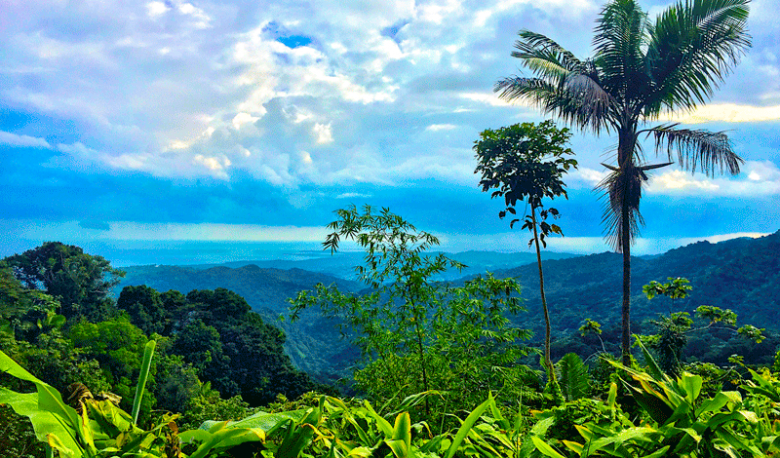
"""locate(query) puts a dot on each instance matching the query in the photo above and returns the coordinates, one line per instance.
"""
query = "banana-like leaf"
(224, 439)
(403, 428)
(721, 400)
(545, 448)
(575, 447)
(263, 420)
(299, 435)
(692, 386)
(658, 453)
(384, 425)
(54, 422)
(467, 425)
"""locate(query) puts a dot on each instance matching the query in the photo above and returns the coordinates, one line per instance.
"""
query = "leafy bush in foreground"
(675, 419)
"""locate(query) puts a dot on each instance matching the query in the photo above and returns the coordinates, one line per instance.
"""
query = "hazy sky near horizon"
(255, 120)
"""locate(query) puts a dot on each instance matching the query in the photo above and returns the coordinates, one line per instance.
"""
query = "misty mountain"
(737, 274)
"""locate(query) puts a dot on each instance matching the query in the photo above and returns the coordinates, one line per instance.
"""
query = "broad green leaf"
(47, 411)
(612, 398)
(749, 416)
(140, 389)
(543, 447)
(400, 448)
(299, 435)
(403, 428)
(266, 421)
(360, 452)
(692, 386)
(658, 453)
(467, 425)
(576, 447)
(383, 424)
(721, 399)
(541, 427)
(223, 440)
(584, 432)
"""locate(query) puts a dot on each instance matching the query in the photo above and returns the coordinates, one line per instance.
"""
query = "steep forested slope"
(313, 346)
(740, 274)
(262, 288)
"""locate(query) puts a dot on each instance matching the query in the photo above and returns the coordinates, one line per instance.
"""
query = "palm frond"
(573, 377)
(620, 36)
(570, 105)
(562, 85)
(692, 48)
(697, 149)
(532, 45)
(622, 190)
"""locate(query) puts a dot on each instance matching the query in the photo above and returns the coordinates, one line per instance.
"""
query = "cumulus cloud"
(316, 97)
(758, 179)
(323, 133)
(163, 87)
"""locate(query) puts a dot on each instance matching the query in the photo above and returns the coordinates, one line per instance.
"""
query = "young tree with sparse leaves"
(526, 163)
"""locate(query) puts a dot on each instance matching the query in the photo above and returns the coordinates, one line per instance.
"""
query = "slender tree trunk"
(547, 359)
(626, 310)
(626, 147)
(421, 351)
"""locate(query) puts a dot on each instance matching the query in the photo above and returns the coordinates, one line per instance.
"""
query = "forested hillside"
(312, 343)
(735, 274)
(263, 288)
(342, 265)
(738, 274)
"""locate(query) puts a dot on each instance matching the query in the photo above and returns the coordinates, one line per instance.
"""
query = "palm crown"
(641, 68)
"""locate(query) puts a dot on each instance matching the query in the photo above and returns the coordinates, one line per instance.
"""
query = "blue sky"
(133, 122)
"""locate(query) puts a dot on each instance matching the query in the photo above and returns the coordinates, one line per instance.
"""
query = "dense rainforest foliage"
(443, 373)
(215, 356)
(735, 274)
(446, 369)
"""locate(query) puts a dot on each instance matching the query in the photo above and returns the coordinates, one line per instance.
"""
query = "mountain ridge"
(736, 274)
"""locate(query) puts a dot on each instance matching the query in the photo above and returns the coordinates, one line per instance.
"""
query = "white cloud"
(727, 112)
(679, 181)
(438, 127)
(202, 19)
(127, 230)
(589, 176)
(757, 179)
(156, 9)
(243, 118)
(487, 98)
(196, 88)
(514, 241)
(353, 195)
(11, 139)
(323, 133)
(217, 165)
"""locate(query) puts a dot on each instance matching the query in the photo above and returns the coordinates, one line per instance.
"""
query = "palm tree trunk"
(547, 359)
(626, 310)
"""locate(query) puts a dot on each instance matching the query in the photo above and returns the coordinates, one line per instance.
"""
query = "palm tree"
(641, 69)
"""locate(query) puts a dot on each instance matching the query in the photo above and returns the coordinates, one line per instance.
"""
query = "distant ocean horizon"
(124, 253)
